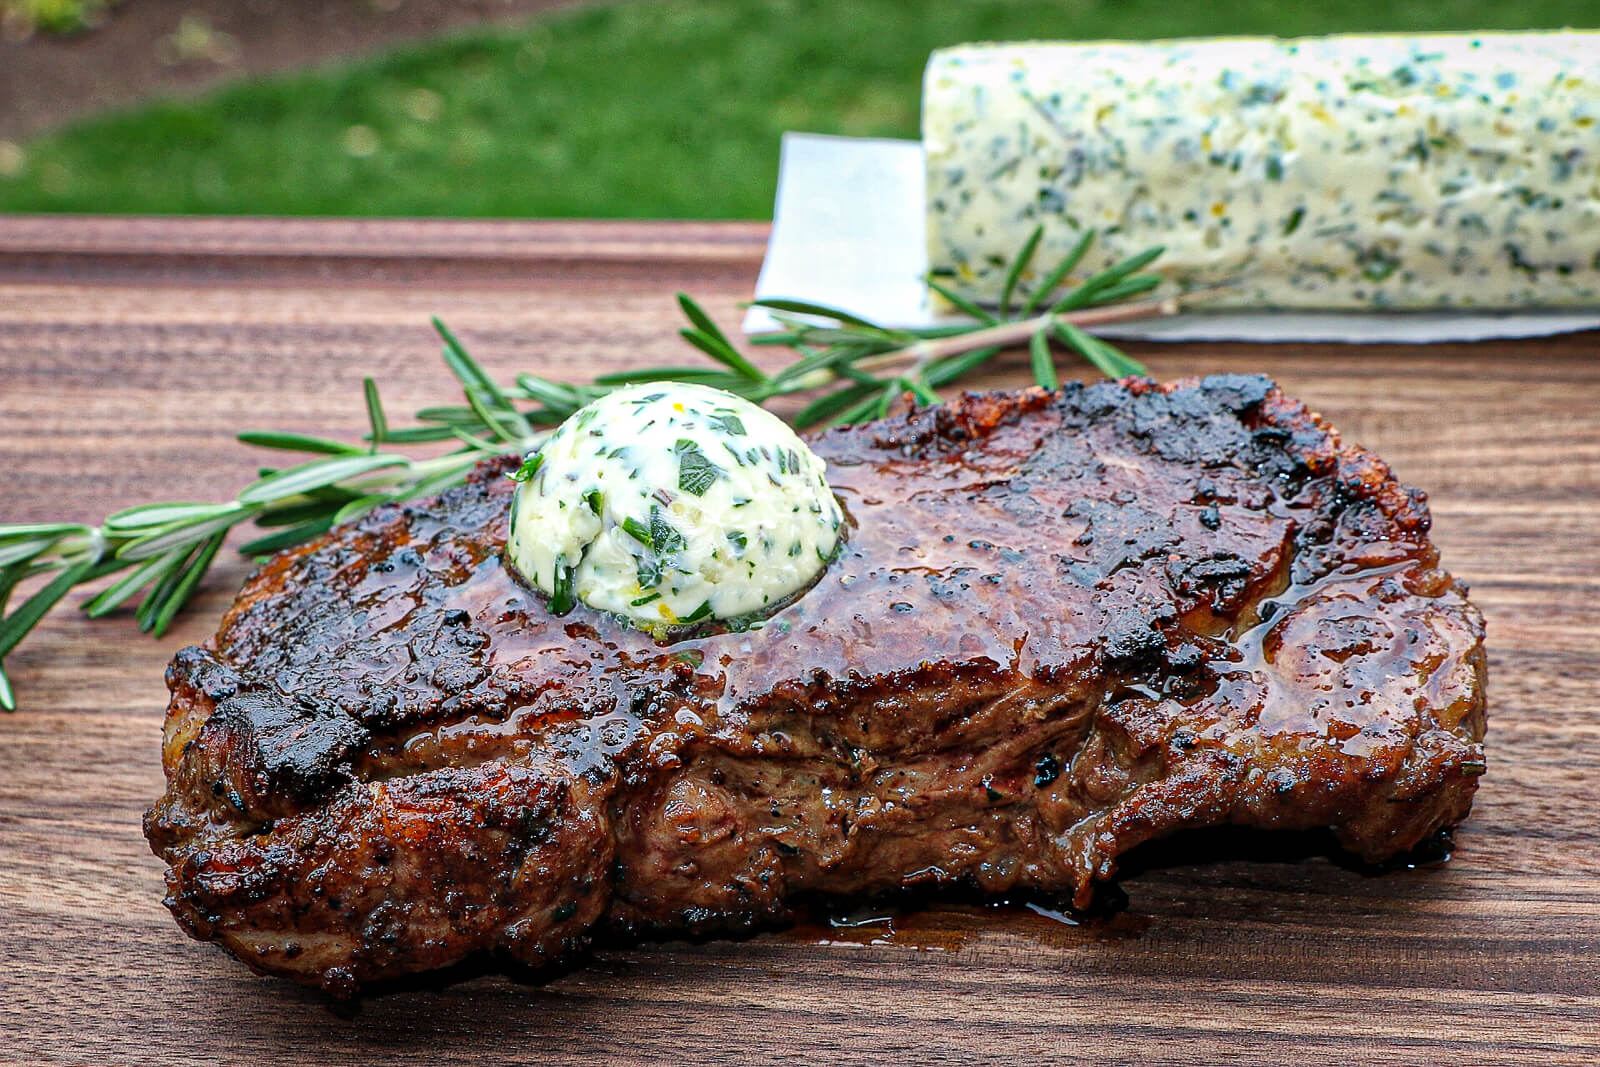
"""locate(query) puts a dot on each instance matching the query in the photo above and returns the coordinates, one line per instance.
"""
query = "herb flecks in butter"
(667, 504)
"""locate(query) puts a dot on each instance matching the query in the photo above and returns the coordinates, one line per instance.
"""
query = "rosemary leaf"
(815, 335)
(8, 699)
(316, 475)
(165, 538)
(154, 600)
(286, 513)
(856, 374)
(1091, 290)
(715, 343)
(805, 307)
(477, 444)
(297, 442)
(480, 389)
(115, 595)
(455, 354)
(17, 573)
(962, 303)
(1044, 364)
(924, 333)
(1126, 364)
(17, 624)
(828, 359)
(436, 483)
(1106, 355)
(1059, 275)
(1018, 265)
(1131, 287)
(1076, 339)
(331, 494)
(866, 408)
(153, 516)
(702, 322)
(187, 584)
(787, 340)
(9, 577)
(358, 507)
(948, 369)
(287, 538)
(878, 339)
(450, 416)
(831, 404)
(17, 551)
(553, 395)
(375, 416)
(420, 435)
(722, 352)
(489, 418)
(35, 530)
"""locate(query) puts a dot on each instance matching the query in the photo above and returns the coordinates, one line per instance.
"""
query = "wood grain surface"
(132, 350)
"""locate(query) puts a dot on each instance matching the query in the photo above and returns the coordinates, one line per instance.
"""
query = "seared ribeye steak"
(1061, 625)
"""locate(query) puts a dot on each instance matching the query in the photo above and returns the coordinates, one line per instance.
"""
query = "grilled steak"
(1062, 625)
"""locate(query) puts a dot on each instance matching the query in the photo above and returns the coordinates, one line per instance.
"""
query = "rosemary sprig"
(857, 369)
(849, 356)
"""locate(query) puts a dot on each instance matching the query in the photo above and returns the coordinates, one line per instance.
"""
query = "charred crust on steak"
(1064, 624)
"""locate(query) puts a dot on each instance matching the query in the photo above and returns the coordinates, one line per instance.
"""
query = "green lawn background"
(670, 109)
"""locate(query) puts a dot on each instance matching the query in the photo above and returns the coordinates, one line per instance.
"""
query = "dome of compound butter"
(670, 504)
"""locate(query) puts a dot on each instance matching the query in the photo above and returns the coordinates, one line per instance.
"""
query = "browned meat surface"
(1062, 625)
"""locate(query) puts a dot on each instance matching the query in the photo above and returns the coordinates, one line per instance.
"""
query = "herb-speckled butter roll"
(1407, 172)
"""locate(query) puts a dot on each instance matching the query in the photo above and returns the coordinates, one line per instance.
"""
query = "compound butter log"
(1390, 171)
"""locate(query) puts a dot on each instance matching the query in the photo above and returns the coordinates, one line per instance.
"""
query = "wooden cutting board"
(131, 350)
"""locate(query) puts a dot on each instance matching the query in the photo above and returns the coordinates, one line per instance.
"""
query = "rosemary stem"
(1014, 333)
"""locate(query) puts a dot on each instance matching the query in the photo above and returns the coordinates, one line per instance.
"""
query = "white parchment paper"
(848, 230)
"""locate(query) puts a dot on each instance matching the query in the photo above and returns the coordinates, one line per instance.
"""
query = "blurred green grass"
(669, 109)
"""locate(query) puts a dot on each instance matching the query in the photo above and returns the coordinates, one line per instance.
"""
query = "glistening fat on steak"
(1061, 625)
